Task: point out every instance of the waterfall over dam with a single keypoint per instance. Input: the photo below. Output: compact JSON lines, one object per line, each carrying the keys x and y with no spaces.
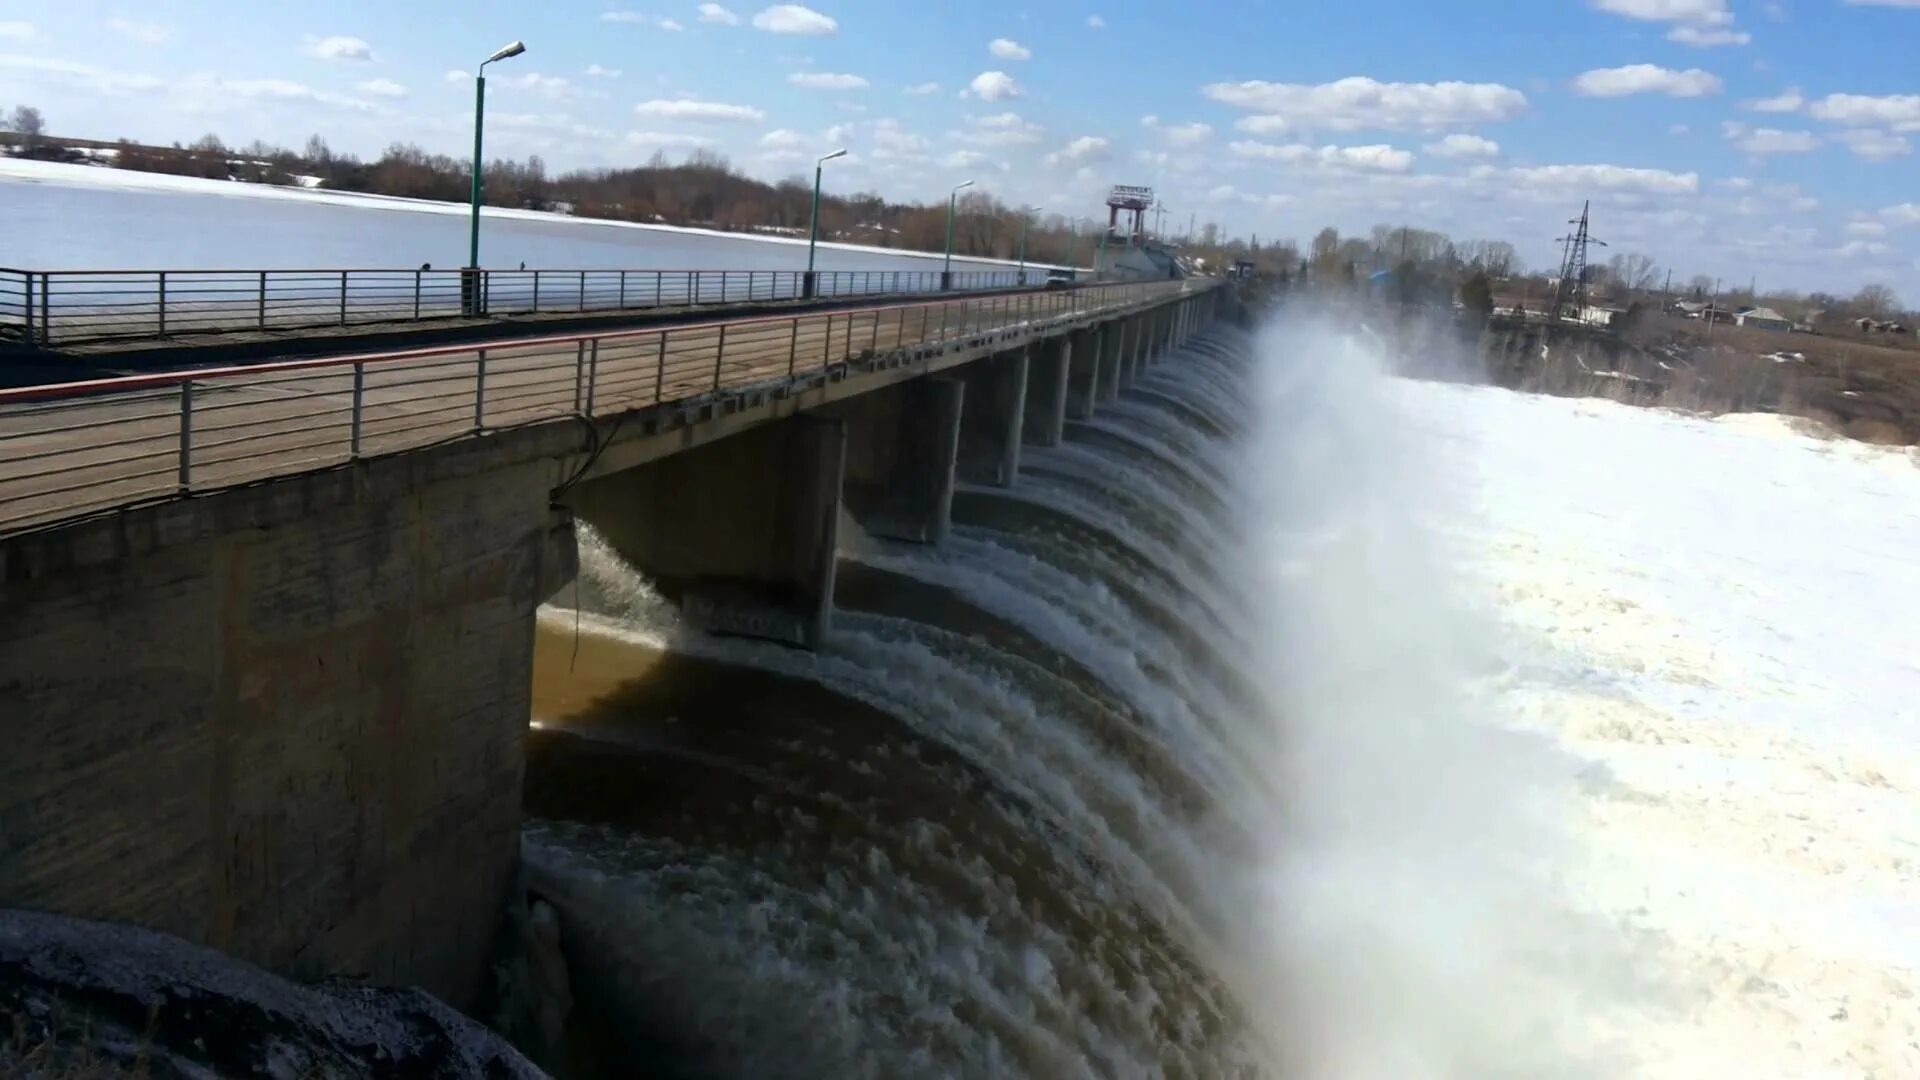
{"x":993,"y":828}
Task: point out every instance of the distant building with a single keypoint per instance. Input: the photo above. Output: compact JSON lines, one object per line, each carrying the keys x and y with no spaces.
{"x":1763,"y":318}
{"x":1599,"y":316}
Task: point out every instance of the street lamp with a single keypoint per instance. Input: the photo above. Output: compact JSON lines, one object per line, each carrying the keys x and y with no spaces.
{"x":479,"y":113}
{"x":1025,"y":217}
{"x":813,"y":218}
{"x":946,"y":266}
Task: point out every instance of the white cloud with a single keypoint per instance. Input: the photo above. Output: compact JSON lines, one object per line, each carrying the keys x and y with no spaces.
{"x":17,"y":30}
{"x":631,"y":17}
{"x":1693,"y":12}
{"x":700,"y":112}
{"x":1788,"y":101}
{"x":827,"y":80}
{"x":1364,"y":103}
{"x":963,"y":159}
{"x":922,"y":89}
{"x":1001,"y":129}
{"x":382,"y":88}
{"x":1083,"y":150}
{"x":1708,"y":37}
{"x":1610,"y":177}
{"x":795,"y":19}
{"x":1646,"y":79}
{"x":719,"y":16}
{"x":671,"y":24}
{"x":551,"y":87}
{"x":1903,"y":214}
{"x":890,"y":140}
{"x":1901,"y":112}
{"x":782,"y":139}
{"x":1873,"y":145}
{"x":666,"y":139}
{"x":1007,"y":49}
{"x":1464,"y":146}
{"x":1866,"y":229}
{"x":1377,"y":158}
{"x":455,"y":75}
{"x":1188,"y":134}
{"x":145,"y":33}
{"x":1095,"y":22}
{"x":598,"y":72}
{"x":1678,"y":129}
{"x":1853,"y":249}
{"x":1263,"y":125}
{"x":994,"y":86}
{"x":350,"y":50}
{"x":1763,"y":141}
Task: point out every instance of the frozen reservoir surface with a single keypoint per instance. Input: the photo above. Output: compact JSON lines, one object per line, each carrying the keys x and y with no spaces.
{"x":1718,"y":622}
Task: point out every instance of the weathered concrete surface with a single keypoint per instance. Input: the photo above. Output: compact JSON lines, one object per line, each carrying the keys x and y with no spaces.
{"x":1120,"y":334}
{"x":740,"y":533}
{"x":1048,"y":367}
{"x":995,"y":414}
{"x":902,"y":443}
{"x":298,"y":743}
{"x":1083,"y":379}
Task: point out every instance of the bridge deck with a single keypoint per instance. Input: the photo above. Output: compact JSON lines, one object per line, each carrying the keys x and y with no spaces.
{"x":83,"y":448}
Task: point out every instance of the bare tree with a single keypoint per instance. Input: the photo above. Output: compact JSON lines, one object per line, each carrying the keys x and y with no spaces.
{"x":1876,"y":300}
{"x":1634,"y":272}
{"x":1702,"y":286}
{"x":29,"y":125}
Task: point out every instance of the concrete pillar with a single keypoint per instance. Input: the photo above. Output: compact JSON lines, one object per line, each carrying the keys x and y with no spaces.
{"x":1130,"y":360}
{"x":991,"y":422}
{"x":740,"y":532}
{"x":1117,"y":335}
{"x":1047,"y":370}
{"x":902,"y":443}
{"x":1083,"y":367}
{"x":1142,"y":338}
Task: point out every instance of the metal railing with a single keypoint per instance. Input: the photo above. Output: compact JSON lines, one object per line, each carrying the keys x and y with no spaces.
{"x":72,"y":449}
{"x":67,"y":307}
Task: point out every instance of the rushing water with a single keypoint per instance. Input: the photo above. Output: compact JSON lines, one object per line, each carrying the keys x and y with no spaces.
{"x":990,"y":830}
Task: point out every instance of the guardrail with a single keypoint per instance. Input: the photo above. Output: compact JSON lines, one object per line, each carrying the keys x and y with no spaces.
{"x":71,"y":449}
{"x":67,"y":307}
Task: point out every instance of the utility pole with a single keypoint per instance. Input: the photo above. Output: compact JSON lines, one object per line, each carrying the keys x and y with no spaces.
{"x":1571,"y":296}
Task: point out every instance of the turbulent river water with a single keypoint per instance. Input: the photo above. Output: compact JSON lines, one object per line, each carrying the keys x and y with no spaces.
{"x":992,"y":829}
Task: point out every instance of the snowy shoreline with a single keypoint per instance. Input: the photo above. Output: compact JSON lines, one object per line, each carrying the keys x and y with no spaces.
{"x":20,"y":170}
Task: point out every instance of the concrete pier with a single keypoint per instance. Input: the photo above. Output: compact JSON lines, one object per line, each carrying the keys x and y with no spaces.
{"x":1048,"y":367}
{"x":991,"y":422}
{"x":740,"y":532}
{"x":1088,"y":357}
{"x":1116,"y":335}
{"x":902,"y":443}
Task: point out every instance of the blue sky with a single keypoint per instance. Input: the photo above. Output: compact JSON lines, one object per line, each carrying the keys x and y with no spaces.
{"x":1770,"y":140}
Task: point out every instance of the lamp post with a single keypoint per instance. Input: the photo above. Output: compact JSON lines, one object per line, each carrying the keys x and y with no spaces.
{"x":1026,"y":216}
{"x":946,"y":265}
{"x":813,"y":218}
{"x":470,"y":282}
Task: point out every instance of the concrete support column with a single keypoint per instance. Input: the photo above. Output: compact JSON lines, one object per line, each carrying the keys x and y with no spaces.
{"x":740,"y":532}
{"x":992,"y":420}
{"x":1048,"y":367}
{"x":1117,"y":334}
{"x":902,"y":443}
{"x":1130,"y":358}
{"x":1142,"y":339}
{"x":1084,"y":364}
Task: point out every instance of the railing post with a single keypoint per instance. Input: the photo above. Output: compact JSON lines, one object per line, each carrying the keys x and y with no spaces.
{"x":623,"y":290}
{"x":343,"y":298}
{"x":793,"y":346}
{"x":416,"y":296}
{"x":693,"y":289}
{"x":359,"y":399}
{"x":263,"y":299}
{"x":26,"y":283}
{"x":873,"y":344}
{"x":536,"y":293}
{"x":826,"y":344}
{"x":583,"y":290}
{"x":46,"y":309}
{"x":593,"y":373}
{"x":660,"y":369}
{"x":656,"y":287}
{"x":186,"y":436}
{"x":480,"y":391}
{"x":579,"y":372}
{"x":163,"y":303}
{"x":720,"y":350}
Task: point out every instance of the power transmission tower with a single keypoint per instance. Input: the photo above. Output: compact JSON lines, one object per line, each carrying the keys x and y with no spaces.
{"x":1570,"y":299}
